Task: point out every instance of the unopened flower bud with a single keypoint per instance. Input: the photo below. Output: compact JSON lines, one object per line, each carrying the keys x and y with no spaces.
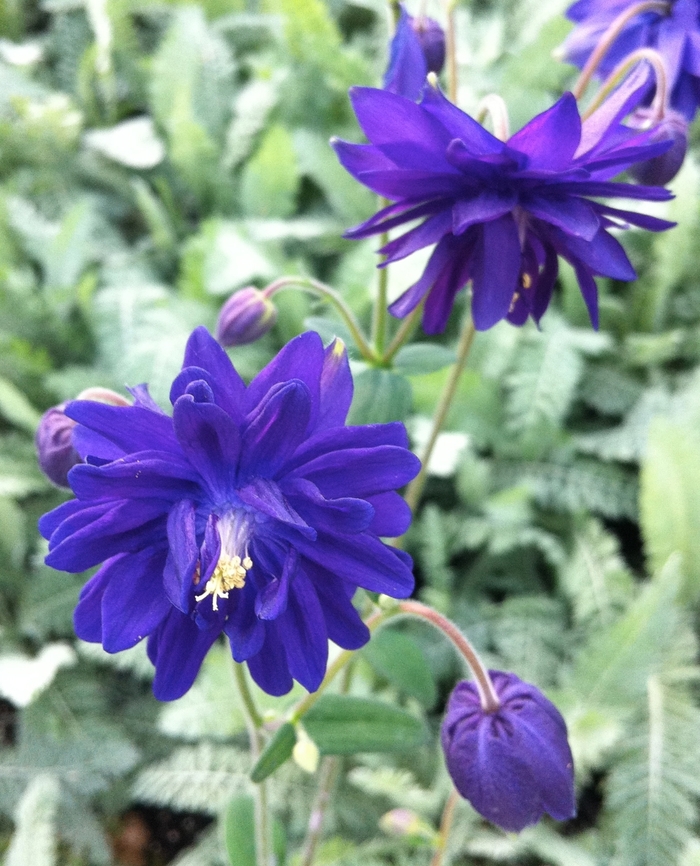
{"x":432,"y":40}
{"x":418,"y":47}
{"x":54,"y":435}
{"x":659,"y":170}
{"x":54,"y":445}
{"x":305,"y":752}
{"x":245,"y":317}
{"x":514,"y":763}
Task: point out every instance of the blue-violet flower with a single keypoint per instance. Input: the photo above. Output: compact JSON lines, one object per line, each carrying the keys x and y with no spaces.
{"x":512,"y":764}
{"x":245,"y":317}
{"x":252,"y":511}
{"x":675,"y":34}
{"x":500,"y":212}
{"x":417,"y":48}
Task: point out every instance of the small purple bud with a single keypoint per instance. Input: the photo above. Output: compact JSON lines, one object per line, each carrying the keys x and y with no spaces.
{"x":418,"y":47}
{"x":659,"y":170}
{"x":512,"y":764}
{"x":245,"y":317}
{"x":432,"y":40}
{"x":54,"y":445}
{"x":54,"y":435}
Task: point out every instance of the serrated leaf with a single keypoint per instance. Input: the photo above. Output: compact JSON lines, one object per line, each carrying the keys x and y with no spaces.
{"x":16,"y":408}
{"x":276,"y":752}
{"x":270,"y":178}
{"x":670,"y":499}
{"x":401,"y":661}
{"x":35,"y":841}
{"x":344,"y":725}
{"x":380,"y":396}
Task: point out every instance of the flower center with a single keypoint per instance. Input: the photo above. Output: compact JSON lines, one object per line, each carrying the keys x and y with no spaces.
{"x":230,"y":573}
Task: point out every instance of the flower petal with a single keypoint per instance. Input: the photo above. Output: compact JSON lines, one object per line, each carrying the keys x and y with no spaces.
{"x":496,"y":271}
{"x":360,"y":471}
{"x":303,"y":633}
{"x":551,"y":138}
{"x":177,"y":649}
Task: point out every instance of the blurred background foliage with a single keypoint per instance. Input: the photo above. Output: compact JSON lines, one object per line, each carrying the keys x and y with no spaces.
{"x":154,"y":157}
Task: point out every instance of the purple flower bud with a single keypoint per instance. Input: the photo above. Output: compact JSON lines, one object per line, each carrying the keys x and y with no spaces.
{"x":54,"y":435}
{"x":513,"y":764}
{"x":432,"y":40}
{"x":245,"y":317}
{"x":418,"y":47}
{"x":54,"y":445}
{"x":659,"y":170}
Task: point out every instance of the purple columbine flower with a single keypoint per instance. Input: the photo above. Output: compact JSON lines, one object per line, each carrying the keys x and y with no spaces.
{"x":417,"y":48}
{"x":54,"y":445}
{"x":500,"y":212}
{"x":674,"y":33}
{"x":245,"y":317}
{"x":513,"y":764}
{"x":252,"y":511}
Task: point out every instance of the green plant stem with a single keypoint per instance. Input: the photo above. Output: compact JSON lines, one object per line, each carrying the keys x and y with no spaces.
{"x":327,"y":776}
{"x":263,"y":826}
{"x":448,"y":814}
{"x":404,"y":333}
{"x":609,"y":37}
{"x":619,"y":72}
{"x":321,"y":290}
{"x":451,"y":52}
{"x":379,"y":316}
{"x":415,"y":488}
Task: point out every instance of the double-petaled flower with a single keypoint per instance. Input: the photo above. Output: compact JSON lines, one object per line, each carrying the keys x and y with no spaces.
{"x":500,"y":213}
{"x":253,"y":511}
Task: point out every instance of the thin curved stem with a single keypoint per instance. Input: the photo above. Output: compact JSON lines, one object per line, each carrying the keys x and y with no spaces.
{"x":616,"y":27}
{"x":493,"y":106}
{"x":263,"y":826}
{"x":611,"y":82}
{"x":415,"y":488}
{"x":448,"y":814}
{"x":379,"y":314}
{"x":487,"y":693}
{"x":327,"y":776}
{"x":321,"y":290}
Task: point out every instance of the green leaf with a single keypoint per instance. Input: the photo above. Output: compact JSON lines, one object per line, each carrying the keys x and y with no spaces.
{"x":670,"y":499}
{"x":380,"y":396}
{"x":399,"y":659}
{"x":417,"y":359}
{"x":15,"y":408}
{"x":270,"y":179}
{"x":239,"y":831}
{"x":276,"y":752}
{"x":35,"y":840}
{"x":343,"y":725}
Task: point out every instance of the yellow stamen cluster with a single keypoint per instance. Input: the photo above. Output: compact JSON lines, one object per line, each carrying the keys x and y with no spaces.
{"x":230,"y":573}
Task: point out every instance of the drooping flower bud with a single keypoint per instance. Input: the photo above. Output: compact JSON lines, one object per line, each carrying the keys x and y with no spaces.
{"x":54,"y":445}
{"x":659,"y":170}
{"x":513,"y":764}
{"x":245,"y":317}
{"x":54,"y":435}
{"x":418,"y":47}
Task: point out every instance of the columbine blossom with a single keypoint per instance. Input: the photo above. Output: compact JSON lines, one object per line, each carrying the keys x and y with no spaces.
{"x":513,"y":764}
{"x":417,"y":48}
{"x":252,"y":511}
{"x":500,"y":213}
{"x":675,"y":34}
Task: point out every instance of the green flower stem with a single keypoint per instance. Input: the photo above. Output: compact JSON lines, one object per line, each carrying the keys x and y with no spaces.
{"x":326,"y":782}
{"x":487,"y":693}
{"x":609,"y":37}
{"x":403,"y":334}
{"x":264,"y":855}
{"x":415,"y":488}
{"x":451,"y":51}
{"x":379,"y":315}
{"x":321,"y":290}
{"x":448,"y":814}
{"x":619,"y":72}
